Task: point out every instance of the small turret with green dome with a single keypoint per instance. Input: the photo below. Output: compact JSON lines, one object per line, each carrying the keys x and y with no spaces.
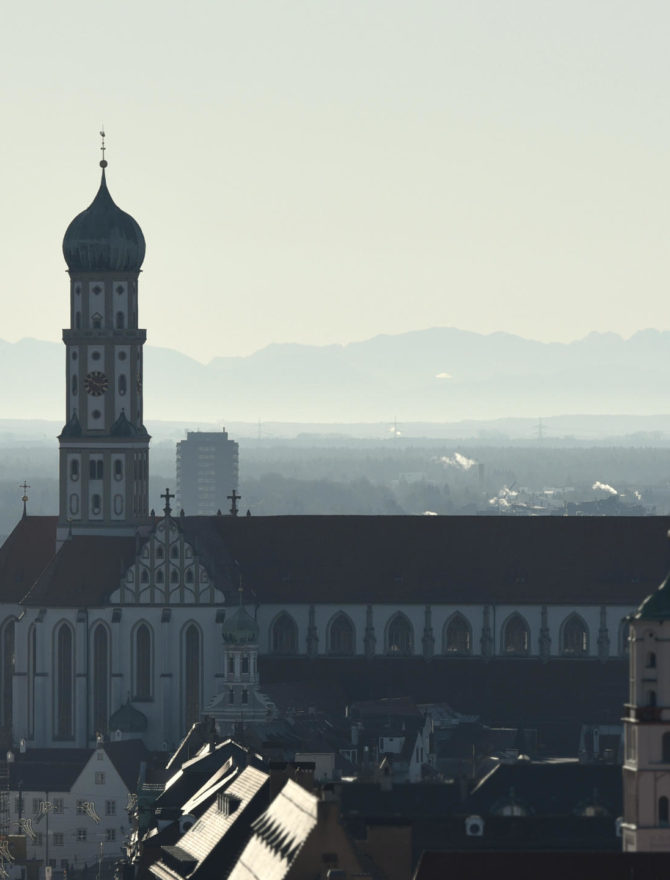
{"x":239,"y":628}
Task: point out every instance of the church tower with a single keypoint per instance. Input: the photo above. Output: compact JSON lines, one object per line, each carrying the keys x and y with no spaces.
{"x":646,"y":771}
{"x":104,"y":446}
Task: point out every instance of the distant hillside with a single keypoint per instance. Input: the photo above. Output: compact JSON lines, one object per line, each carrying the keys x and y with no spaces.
{"x":439,"y":375}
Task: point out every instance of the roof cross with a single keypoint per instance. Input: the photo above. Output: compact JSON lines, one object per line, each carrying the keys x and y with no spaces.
{"x":234,"y":498}
{"x":167,"y":495}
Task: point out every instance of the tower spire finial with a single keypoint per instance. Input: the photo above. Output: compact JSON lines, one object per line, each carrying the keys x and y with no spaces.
{"x":103,"y":161}
{"x":25,"y":488}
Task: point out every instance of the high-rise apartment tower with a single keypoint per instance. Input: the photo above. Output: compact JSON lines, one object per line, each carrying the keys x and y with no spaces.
{"x":207,"y":472}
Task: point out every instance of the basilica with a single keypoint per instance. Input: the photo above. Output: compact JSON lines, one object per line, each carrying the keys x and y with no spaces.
{"x":118,"y":621}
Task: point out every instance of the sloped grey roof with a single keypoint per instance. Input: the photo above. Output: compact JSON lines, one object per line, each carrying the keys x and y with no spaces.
{"x":279,"y":835}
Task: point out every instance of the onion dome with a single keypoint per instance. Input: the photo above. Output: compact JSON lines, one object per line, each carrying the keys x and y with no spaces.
{"x":103,"y":238}
{"x":128,"y":719}
{"x":656,"y":606}
{"x":240,"y":628}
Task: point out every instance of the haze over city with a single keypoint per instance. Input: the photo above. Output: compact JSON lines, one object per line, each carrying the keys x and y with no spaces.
{"x":323,"y":172}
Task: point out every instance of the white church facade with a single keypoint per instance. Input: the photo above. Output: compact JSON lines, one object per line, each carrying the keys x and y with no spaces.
{"x":108,"y":608}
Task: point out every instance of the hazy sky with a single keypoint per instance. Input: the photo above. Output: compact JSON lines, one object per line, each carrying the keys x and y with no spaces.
{"x":325,"y":170}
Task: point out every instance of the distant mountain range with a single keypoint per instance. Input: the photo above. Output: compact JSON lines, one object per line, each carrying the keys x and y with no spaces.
{"x":439,"y":374}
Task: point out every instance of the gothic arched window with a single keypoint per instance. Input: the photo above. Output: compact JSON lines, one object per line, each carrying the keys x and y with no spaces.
{"x":663,"y":812}
{"x":341,"y":636}
{"x":191,"y":675}
{"x":32,"y":666}
{"x":457,"y":635}
{"x":574,"y":636}
{"x":516,"y":635}
{"x":100,"y":679}
{"x":8,"y":637}
{"x":64,"y":683}
{"x":399,"y":636}
{"x":284,"y":637}
{"x":143,"y":658}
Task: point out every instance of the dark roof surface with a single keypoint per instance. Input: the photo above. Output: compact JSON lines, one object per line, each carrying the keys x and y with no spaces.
{"x":396,"y":559}
{"x":86,"y":569}
{"x":657,"y":605}
{"x":52,"y":770}
{"x":392,"y":559}
{"x":24,"y":555}
{"x":545,"y":865}
{"x":554,"y":788}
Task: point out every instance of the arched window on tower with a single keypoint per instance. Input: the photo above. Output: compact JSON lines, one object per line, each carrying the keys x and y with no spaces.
{"x":284,"y":637}
{"x":663,"y":811}
{"x":120,"y":321}
{"x":666,"y":748}
{"x":8,"y":638}
{"x":143,"y":658}
{"x":96,"y":321}
{"x":457,"y":635}
{"x":651,"y":660}
{"x":100,"y":679}
{"x":574,"y":637}
{"x":77,"y":320}
{"x":64,"y":683}
{"x":341,"y":636}
{"x":399,"y":636}
{"x":192,"y":675}
{"x":123,"y":384}
{"x":516,"y":635}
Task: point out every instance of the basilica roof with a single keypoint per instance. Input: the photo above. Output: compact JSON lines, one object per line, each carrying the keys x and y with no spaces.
{"x":361,"y":559}
{"x":103,"y":238}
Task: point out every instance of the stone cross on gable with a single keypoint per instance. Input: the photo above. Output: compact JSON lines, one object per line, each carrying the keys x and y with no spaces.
{"x":234,"y":498}
{"x":167,"y":495}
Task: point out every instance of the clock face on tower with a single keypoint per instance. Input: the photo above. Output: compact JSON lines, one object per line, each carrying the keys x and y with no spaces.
{"x":96,"y":383}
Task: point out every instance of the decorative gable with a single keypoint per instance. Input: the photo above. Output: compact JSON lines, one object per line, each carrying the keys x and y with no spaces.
{"x":167,"y":571}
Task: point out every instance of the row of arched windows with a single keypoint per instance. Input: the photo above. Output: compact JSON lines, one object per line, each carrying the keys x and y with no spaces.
{"x":457,"y":636}
{"x":142,"y":651}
